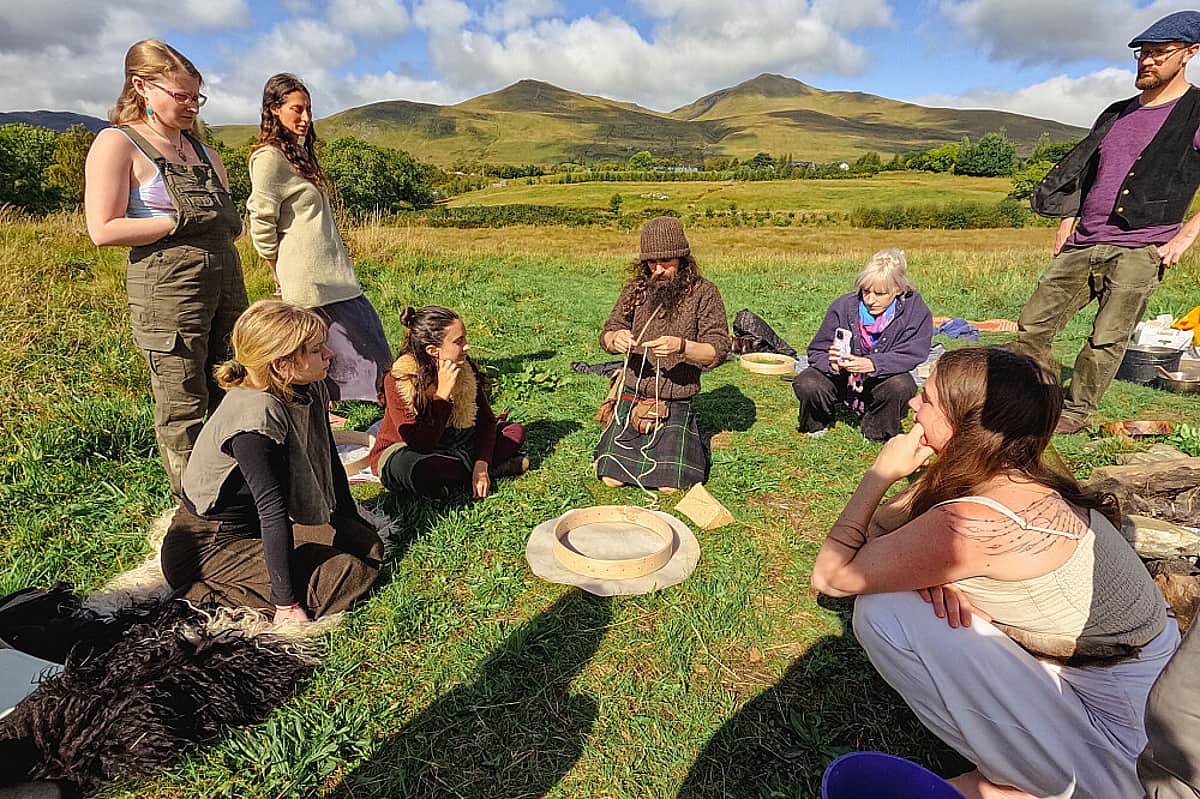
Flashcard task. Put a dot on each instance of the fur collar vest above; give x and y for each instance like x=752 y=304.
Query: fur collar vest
x=462 y=398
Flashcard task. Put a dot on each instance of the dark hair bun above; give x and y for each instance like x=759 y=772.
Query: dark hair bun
x=406 y=316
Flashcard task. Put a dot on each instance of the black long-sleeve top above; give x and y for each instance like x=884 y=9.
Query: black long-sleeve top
x=253 y=498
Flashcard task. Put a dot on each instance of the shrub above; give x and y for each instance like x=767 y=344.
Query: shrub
x=946 y=216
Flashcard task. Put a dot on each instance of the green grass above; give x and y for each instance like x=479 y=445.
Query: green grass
x=887 y=188
x=464 y=675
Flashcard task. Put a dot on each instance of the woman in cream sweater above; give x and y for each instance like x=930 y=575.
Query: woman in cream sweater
x=292 y=226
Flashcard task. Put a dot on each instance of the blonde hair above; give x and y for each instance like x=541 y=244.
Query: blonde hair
x=149 y=59
x=888 y=267
x=267 y=331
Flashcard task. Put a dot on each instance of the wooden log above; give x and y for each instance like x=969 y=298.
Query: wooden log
x=1182 y=593
x=1154 y=539
x=1155 y=453
x=1147 y=479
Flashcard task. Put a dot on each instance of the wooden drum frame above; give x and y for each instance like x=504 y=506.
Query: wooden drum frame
x=613 y=569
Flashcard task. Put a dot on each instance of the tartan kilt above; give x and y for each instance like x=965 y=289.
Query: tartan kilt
x=676 y=456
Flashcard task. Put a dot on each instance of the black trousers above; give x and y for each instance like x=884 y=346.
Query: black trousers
x=886 y=399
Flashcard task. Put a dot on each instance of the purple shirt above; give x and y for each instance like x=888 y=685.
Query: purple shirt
x=1132 y=133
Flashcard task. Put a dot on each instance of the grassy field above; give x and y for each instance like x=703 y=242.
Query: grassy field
x=887 y=188
x=464 y=675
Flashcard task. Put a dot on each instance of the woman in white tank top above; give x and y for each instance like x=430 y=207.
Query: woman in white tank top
x=1041 y=632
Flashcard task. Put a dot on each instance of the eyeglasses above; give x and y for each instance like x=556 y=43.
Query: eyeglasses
x=1157 y=56
x=183 y=98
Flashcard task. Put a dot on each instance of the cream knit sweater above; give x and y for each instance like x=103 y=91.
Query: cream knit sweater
x=292 y=223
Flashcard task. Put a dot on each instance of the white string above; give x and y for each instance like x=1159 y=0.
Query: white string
x=652 y=464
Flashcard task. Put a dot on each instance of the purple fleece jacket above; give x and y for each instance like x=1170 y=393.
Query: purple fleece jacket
x=903 y=345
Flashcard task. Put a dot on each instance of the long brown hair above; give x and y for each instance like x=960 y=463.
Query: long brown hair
x=271 y=132
x=1002 y=407
x=149 y=59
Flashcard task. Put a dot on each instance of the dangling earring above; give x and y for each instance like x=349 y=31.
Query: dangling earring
x=149 y=111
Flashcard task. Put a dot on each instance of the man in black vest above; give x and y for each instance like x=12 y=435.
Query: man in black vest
x=1122 y=193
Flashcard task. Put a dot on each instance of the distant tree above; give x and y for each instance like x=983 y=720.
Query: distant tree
x=65 y=173
x=1027 y=177
x=370 y=178
x=1052 y=151
x=614 y=204
x=939 y=159
x=761 y=161
x=868 y=163
x=237 y=166
x=640 y=162
x=994 y=156
x=26 y=153
x=897 y=164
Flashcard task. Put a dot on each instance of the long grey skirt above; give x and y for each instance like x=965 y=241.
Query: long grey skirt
x=361 y=355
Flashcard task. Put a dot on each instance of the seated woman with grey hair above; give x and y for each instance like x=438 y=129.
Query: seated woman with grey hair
x=862 y=354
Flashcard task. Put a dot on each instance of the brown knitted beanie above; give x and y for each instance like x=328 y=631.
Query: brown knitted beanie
x=662 y=237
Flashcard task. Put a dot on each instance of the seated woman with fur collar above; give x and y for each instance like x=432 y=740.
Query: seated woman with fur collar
x=438 y=431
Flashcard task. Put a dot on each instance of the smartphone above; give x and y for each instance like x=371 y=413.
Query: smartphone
x=841 y=342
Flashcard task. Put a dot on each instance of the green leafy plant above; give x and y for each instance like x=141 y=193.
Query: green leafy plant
x=525 y=383
x=1186 y=439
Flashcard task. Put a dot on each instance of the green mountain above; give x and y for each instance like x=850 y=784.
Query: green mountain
x=535 y=122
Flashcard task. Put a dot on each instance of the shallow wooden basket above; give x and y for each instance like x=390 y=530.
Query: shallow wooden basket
x=768 y=363
x=614 y=517
x=354 y=439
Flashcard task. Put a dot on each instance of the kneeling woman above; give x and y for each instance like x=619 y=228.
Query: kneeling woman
x=890 y=333
x=1053 y=631
x=264 y=462
x=438 y=431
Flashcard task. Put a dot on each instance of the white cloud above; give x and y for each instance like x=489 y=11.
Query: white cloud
x=306 y=47
x=507 y=15
x=1076 y=101
x=695 y=46
x=441 y=15
x=68 y=54
x=374 y=18
x=1040 y=31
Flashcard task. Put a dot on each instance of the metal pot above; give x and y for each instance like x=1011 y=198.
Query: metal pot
x=1186 y=381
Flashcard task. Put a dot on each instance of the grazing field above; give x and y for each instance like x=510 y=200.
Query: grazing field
x=464 y=675
x=887 y=188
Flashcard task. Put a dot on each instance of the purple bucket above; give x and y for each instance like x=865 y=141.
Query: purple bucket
x=874 y=775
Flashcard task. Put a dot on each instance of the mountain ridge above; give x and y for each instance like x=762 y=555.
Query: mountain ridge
x=533 y=121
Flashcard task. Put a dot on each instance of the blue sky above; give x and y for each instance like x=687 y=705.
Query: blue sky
x=1061 y=59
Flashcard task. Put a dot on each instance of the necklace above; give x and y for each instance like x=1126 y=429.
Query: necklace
x=177 y=144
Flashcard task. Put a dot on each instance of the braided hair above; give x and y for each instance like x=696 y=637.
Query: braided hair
x=271 y=132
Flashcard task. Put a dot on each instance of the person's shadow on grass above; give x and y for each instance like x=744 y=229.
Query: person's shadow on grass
x=829 y=702
x=513 y=363
x=724 y=408
x=542 y=437
x=514 y=732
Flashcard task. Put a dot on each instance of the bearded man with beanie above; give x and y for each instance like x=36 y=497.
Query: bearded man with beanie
x=671 y=323
x=1121 y=193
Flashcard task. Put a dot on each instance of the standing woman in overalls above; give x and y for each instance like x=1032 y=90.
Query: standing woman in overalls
x=151 y=185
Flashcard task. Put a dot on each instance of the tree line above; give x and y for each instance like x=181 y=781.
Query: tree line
x=42 y=171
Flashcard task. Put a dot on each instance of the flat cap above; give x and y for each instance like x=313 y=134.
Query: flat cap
x=1182 y=26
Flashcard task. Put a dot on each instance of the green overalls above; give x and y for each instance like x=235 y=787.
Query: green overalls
x=185 y=292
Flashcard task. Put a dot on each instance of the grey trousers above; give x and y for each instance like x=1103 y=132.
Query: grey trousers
x=1120 y=280
x=1169 y=767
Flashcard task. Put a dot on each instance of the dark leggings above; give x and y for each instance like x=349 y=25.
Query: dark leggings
x=886 y=399
x=438 y=472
